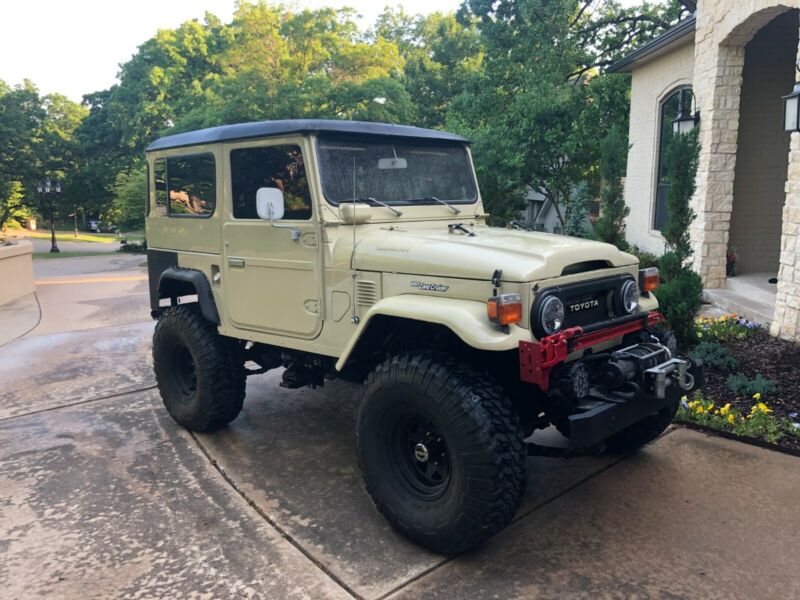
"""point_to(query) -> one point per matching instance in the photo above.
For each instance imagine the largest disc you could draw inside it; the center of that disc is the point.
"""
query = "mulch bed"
(774, 359)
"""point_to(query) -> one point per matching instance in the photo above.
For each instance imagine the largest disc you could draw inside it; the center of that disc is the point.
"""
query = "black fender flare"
(173, 282)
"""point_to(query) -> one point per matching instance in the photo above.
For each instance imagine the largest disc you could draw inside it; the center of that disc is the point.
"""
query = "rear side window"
(191, 185)
(281, 167)
(160, 184)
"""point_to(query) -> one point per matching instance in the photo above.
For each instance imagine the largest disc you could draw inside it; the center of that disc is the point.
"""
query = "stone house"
(725, 70)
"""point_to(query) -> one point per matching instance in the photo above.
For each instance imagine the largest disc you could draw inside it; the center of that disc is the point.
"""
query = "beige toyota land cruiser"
(337, 249)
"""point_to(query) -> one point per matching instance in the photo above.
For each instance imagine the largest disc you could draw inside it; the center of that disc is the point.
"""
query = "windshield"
(395, 172)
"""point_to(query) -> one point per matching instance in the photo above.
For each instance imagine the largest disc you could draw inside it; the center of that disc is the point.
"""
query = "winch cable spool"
(630, 363)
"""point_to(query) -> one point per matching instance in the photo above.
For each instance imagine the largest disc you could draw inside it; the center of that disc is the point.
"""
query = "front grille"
(595, 301)
(585, 309)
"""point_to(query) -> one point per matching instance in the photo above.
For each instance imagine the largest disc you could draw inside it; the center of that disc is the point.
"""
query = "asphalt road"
(103, 496)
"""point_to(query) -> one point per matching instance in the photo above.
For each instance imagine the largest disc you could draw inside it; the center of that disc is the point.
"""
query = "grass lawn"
(69, 236)
(49, 255)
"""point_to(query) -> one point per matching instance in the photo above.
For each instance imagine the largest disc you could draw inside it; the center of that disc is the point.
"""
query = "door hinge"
(311, 306)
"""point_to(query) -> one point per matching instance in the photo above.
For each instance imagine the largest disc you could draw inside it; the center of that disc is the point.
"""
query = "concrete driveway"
(102, 495)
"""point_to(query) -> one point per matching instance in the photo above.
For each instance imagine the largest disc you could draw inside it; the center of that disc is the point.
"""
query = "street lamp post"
(47, 189)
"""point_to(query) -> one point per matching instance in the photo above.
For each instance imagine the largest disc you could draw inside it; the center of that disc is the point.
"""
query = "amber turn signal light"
(504, 309)
(648, 279)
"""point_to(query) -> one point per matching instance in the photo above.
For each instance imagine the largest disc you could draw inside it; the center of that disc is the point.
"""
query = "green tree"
(610, 227)
(12, 203)
(535, 111)
(130, 194)
(577, 212)
(680, 162)
(681, 294)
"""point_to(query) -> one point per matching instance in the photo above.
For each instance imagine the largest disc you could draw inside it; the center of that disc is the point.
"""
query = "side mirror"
(269, 204)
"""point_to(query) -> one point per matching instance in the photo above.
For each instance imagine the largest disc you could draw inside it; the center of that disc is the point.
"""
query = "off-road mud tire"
(217, 395)
(482, 436)
(641, 433)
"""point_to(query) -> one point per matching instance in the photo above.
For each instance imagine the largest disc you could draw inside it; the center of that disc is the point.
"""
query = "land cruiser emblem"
(594, 303)
(430, 287)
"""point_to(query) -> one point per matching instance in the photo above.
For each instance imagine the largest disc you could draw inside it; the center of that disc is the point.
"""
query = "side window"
(669, 109)
(270, 166)
(160, 184)
(191, 185)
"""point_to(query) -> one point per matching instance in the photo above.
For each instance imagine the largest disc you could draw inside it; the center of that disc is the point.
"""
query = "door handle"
(236, 262)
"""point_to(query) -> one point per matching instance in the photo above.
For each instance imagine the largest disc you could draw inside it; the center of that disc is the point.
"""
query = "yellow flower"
(764, 408)
(731, 418)
(699, 410)
(710, 407)
(725, 409)
(757, 395)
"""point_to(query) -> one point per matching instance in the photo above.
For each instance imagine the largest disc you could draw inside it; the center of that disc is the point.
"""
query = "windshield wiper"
(456, 211)
(399, 213)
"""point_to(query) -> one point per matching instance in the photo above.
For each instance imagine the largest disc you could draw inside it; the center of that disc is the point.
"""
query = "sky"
(74, 47)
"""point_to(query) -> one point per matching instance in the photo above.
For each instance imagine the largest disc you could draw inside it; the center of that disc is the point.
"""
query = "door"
(270, 268)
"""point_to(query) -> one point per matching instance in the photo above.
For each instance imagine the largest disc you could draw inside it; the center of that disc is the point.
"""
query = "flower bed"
(752, 387)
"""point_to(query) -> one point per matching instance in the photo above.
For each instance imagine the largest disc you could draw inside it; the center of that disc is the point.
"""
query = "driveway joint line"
(271, 522)
(79, 402)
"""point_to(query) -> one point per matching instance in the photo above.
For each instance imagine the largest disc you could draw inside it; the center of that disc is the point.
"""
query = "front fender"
(466, 318)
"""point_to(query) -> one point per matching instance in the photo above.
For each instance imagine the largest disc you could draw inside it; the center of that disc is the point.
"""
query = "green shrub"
(741, 385)
(714, 355)
(679, 300)
(133, 247)
(646, 259)
(610, 227)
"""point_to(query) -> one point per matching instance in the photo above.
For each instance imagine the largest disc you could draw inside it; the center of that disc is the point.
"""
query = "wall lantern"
(686, 119)
(791, 109)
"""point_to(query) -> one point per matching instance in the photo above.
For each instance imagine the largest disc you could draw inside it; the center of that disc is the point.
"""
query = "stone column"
(717, 86)
(786, 318)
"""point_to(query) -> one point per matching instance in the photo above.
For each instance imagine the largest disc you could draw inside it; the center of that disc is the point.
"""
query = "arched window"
(669, 109)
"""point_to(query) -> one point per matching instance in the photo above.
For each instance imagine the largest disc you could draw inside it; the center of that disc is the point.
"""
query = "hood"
(521, 255)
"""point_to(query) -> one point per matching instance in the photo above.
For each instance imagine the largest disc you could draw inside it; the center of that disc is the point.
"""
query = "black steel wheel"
(421, 454)
(200, 374)
(441, 451)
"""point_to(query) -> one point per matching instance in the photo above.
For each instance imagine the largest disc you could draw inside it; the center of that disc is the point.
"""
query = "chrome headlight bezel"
(551, 310)
(629, 294)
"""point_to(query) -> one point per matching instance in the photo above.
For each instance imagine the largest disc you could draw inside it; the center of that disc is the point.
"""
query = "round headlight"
(551, 314)
(630, 296)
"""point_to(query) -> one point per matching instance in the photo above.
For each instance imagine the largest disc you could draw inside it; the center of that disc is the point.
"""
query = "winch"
(650, 364)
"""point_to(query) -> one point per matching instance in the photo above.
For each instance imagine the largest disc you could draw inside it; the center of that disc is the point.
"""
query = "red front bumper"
(537, 359)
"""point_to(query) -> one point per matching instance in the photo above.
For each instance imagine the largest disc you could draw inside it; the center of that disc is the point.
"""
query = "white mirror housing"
(269, 204)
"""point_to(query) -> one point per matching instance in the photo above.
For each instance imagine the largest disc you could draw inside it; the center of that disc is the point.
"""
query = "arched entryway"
(761, 153)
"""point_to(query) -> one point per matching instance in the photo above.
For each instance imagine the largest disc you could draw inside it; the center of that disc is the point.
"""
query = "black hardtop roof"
(245, 131)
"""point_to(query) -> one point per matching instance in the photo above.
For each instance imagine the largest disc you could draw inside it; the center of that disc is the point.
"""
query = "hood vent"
(585, 266)
(366, 293)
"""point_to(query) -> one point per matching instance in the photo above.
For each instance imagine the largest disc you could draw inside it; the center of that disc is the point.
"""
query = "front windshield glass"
(395, 172)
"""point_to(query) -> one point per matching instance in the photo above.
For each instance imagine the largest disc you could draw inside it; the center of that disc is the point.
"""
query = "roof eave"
(670, 38)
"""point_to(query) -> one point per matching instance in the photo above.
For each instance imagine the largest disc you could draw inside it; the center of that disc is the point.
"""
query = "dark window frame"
(153, 204)
(259, 146)
(147, 195)
(661, 188)
(172, 215)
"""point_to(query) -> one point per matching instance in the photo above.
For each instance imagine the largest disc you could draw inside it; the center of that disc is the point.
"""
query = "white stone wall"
(650, 84)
